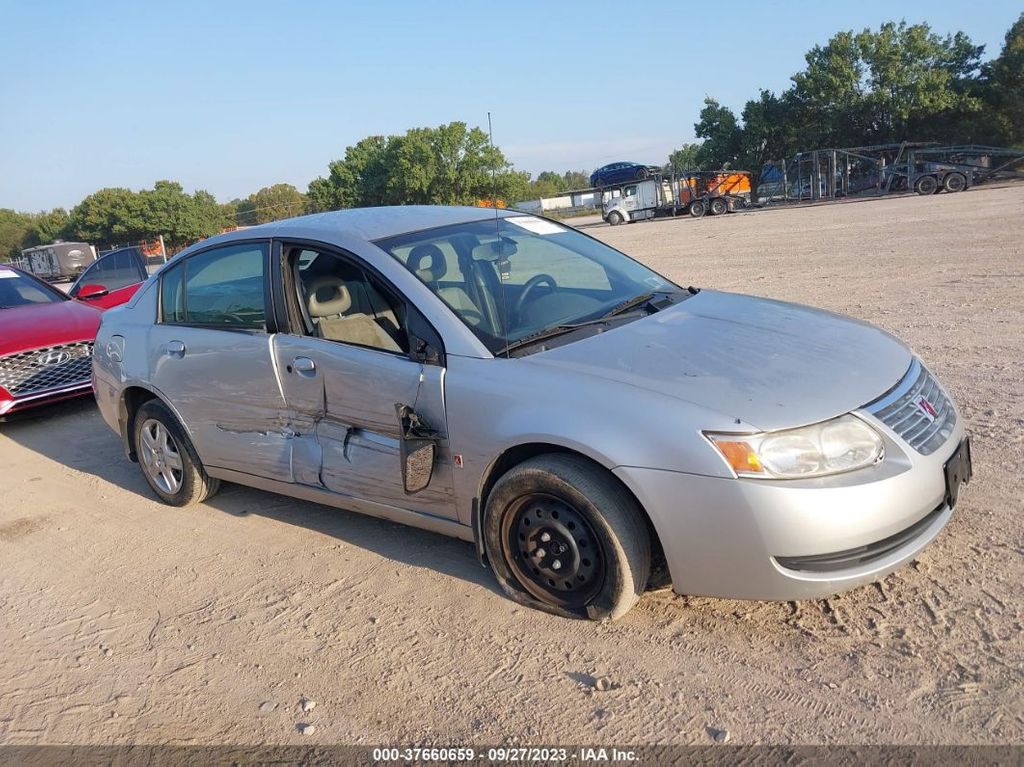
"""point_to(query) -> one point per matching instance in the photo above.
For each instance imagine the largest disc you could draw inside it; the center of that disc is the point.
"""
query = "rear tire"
(562, 535)
(615, 218)
(954, 182)
(926, 185)
(697, 209)
(718, 207)
(167, 458)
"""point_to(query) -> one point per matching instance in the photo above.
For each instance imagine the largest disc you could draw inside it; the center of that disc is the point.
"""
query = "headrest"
(427, 263)
(328, 296)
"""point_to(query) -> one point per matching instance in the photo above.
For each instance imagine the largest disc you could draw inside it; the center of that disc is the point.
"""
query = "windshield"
(514, 278)
(18, 290)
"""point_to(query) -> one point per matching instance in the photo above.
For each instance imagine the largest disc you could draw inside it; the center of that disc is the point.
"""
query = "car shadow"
(73, 433)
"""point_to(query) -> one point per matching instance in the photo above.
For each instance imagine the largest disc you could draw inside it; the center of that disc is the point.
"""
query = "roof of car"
(367, 223)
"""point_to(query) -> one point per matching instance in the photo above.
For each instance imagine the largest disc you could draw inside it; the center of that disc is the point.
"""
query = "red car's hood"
(38, 325)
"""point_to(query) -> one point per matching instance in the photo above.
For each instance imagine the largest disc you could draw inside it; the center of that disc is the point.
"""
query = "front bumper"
(10, 405)
(797, 539)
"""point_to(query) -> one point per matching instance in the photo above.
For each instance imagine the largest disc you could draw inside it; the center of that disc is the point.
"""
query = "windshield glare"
(19, 290)
(514, 277)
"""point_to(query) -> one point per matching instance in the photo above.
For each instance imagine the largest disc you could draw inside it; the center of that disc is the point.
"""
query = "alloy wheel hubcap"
(160, 457)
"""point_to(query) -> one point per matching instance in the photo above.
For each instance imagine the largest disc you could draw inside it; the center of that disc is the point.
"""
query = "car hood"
(768, 363)
(38, 325)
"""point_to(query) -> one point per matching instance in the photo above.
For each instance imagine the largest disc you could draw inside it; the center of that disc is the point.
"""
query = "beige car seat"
(330, 307)
(428, 263)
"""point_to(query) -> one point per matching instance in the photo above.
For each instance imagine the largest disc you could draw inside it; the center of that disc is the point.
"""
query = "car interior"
(341, 302)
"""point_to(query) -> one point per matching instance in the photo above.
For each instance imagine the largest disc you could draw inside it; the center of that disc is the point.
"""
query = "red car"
(112, 279)
(46, 342)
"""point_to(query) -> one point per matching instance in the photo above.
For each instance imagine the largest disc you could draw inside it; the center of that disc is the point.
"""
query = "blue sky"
(231, 97)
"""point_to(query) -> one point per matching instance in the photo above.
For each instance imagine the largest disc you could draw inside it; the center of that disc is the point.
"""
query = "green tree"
(108, 217)
(448, 165)
(722, 136)
(14, 226)
(272, 203)
(47, 227)
(576, 179)
(1005, 87)
(684, 158)
(900, 82)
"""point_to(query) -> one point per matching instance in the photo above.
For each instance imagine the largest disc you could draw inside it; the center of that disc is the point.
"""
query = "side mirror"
(417, 449)
(91, 292)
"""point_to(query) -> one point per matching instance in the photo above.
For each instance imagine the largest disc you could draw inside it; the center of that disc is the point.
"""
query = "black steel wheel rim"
(553, 550)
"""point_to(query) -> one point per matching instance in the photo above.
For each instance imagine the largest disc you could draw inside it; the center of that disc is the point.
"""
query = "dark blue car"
(621, 173)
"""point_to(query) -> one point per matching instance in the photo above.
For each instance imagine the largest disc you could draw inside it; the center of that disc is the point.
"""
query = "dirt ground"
(123, 620)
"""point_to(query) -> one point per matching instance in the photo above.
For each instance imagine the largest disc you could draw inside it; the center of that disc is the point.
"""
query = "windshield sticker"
(7, 274)
(655, 282)
(535, 225)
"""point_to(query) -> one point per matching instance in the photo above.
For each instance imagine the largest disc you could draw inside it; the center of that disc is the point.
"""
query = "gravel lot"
(122, 620)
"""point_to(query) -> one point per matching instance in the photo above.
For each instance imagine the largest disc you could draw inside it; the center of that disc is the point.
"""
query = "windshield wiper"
(554, 330)
(632, 303)
(558, 330)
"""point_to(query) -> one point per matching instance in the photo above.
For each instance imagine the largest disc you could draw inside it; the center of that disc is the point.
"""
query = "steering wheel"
(531, 284)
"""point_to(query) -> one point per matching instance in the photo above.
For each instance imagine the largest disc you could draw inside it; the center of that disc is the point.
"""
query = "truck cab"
(636, 201)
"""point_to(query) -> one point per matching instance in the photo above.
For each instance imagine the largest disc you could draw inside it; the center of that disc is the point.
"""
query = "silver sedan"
(595, 429)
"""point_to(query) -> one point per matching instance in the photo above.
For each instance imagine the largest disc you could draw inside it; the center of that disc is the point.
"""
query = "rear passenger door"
(210, 357)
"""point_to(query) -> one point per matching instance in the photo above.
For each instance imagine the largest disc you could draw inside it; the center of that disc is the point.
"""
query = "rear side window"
(113, 271)
(218, 288)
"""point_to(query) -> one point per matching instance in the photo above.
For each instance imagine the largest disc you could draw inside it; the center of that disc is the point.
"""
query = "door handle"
(304, 366)
(174, 349)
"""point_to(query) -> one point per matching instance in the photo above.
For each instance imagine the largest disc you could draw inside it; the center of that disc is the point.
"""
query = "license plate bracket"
(958, 470)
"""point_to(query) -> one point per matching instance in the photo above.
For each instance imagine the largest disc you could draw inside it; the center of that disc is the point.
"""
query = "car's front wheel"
(168, 459)
(563, 535)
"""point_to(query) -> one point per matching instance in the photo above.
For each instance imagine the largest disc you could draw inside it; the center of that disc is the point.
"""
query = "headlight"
(842, 444)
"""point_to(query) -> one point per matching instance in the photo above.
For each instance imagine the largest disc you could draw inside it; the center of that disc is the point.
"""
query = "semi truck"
(57, 261)
(695, 193)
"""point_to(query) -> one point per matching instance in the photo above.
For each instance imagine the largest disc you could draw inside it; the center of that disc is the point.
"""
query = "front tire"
(564, 536)
(615, 218)
(168, 459)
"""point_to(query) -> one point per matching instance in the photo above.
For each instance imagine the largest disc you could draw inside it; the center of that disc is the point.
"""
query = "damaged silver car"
(594, 428)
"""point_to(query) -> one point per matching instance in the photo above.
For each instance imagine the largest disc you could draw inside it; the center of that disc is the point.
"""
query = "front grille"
(862, 555)
(52, 367)
(903, 411)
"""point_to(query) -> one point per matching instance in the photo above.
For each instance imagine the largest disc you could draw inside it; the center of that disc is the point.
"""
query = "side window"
(172, 295)
(219, 288)
(112, 271)
(630, 190)
(345, 303)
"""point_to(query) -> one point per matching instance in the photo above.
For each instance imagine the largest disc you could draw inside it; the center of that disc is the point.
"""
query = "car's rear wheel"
(641, 174)
(563, 535)
(168, 459)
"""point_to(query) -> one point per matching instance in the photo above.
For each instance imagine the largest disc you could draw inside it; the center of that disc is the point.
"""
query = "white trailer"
(57, 261)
